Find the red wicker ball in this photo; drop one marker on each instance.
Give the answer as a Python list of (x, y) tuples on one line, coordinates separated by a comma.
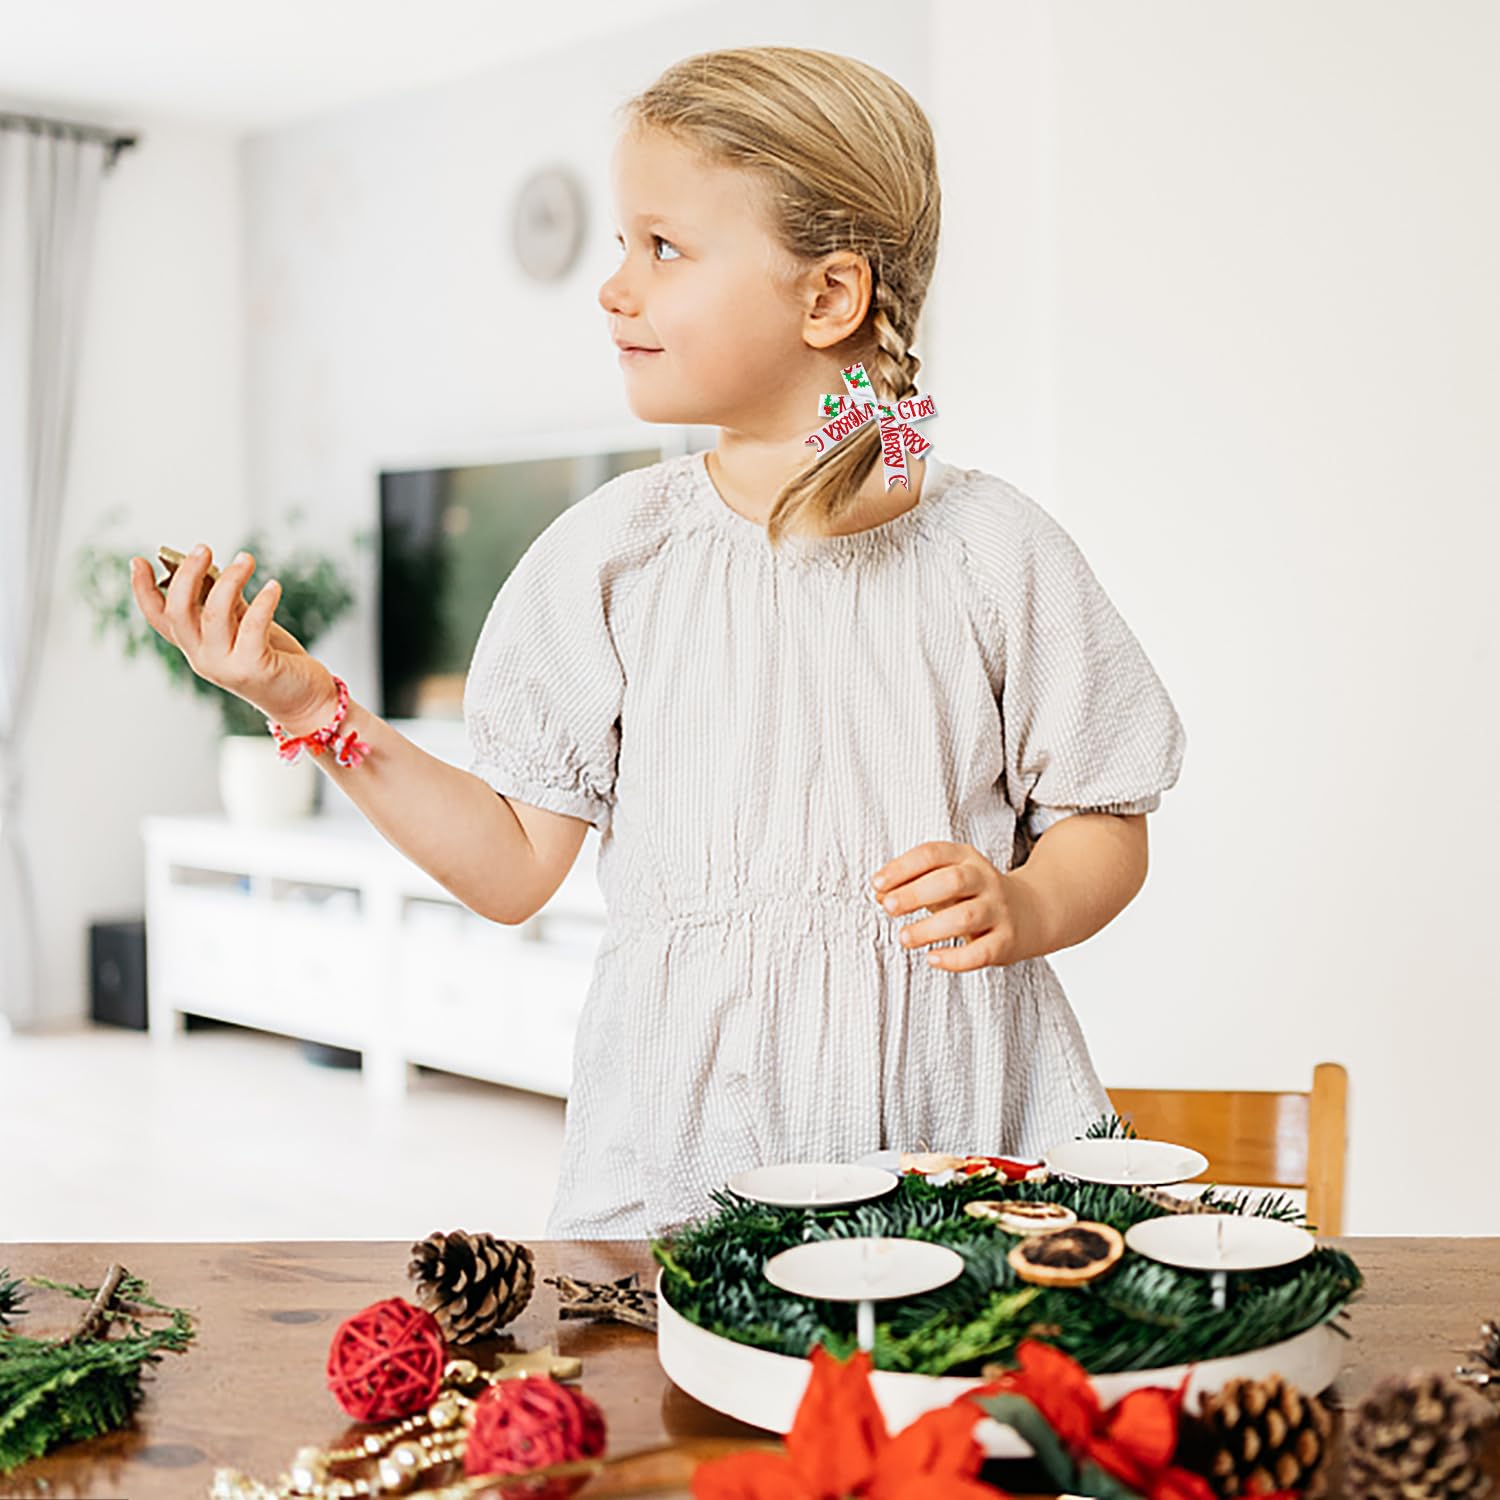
[(530, 1422), (387, 1361)]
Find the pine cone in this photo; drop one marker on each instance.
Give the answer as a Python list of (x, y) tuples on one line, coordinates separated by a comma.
[(1267, 1435), (1489, 1347), (1484, 1376), (1416, 1436), (471, 1283)]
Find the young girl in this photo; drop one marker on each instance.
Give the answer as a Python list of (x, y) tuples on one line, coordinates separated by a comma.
[(859, 758)]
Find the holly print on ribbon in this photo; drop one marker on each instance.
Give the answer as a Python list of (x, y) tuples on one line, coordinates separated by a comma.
[(848, 413)]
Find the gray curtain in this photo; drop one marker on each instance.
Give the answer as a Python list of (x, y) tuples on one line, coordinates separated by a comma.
[(49, 199)]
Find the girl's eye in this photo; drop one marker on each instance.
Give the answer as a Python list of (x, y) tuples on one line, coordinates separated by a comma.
[(658, 240)]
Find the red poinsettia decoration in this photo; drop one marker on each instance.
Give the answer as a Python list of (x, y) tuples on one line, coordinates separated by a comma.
[(1127, 1449), (839, 1447)]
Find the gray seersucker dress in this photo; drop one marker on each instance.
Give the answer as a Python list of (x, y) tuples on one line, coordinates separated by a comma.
[(754, 734)]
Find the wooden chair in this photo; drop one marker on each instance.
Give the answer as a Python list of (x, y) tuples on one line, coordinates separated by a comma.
[(1257, 1139)]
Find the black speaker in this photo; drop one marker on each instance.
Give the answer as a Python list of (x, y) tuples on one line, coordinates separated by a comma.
[(117, 973)]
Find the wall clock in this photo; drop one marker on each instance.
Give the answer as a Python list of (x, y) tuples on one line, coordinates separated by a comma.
[(547, 223)]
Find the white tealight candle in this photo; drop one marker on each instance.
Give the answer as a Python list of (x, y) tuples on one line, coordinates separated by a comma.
[(1214, 1241), (1126, 1161), (863, 1270), (1220, 1243), (810, 1184)]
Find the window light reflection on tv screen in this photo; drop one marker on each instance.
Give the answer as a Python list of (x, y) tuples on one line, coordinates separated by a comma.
[(449, 538)]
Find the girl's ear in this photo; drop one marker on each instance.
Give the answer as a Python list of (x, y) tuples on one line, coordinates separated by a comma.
[(837, 291)]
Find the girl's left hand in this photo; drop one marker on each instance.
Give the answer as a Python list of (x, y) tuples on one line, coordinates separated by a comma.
[(999, 915)]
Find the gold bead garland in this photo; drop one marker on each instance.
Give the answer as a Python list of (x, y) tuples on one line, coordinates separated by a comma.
[(404, 1453)]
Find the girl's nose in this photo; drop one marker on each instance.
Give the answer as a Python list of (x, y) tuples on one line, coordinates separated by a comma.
[(613, 295)]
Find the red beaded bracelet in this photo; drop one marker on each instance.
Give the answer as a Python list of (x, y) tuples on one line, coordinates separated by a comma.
[(348, 749)]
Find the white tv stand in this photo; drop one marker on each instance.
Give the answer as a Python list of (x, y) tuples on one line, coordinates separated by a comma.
[(322, 930)]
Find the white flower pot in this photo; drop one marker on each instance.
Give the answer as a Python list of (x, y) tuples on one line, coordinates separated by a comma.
[(257, 786)]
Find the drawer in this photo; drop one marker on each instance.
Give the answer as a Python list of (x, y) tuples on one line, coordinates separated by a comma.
[(321, 971), (508, 1006), (206, 951)]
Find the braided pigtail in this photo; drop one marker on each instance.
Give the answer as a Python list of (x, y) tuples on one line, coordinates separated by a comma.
[(829, 486)]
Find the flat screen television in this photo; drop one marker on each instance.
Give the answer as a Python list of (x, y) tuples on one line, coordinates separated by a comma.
[(450, 535)]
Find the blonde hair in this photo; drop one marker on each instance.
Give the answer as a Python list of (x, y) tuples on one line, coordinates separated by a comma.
[(847, 161)]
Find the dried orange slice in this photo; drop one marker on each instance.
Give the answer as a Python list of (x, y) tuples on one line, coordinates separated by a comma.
[(1067, 1257), (1017, 1216)]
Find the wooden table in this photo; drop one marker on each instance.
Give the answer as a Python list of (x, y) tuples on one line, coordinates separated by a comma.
[(250, 1389)]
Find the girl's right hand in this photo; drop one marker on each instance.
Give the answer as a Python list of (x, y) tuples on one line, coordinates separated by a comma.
[(234, 645)]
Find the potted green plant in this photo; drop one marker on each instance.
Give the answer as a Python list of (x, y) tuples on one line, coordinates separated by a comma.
[(256, 786)]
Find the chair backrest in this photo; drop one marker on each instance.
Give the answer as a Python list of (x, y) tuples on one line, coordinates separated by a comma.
[(1257, 1139)]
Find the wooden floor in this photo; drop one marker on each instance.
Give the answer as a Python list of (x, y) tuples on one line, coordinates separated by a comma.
[(235, 1135)]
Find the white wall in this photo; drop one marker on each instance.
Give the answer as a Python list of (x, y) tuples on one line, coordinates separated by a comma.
[(159, 431), (1269, 389), (1216, 286)]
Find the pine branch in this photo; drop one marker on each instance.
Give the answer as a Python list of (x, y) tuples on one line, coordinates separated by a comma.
[(937, 1346), (55, 1391), (1264, 1206), (12, 1298)]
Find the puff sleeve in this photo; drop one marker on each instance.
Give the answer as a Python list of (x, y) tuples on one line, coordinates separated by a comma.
[(1088, 725), (543, 696)]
